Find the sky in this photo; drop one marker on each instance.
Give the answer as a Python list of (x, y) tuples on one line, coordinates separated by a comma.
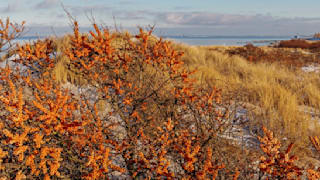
[(171, 17)]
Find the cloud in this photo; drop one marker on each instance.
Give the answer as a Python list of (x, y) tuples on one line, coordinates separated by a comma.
[(182, 7), (95, 9), (9, 9), (219, 19), (47, 4), (191, 22), (13, 6), (209, 19), (134, 15), (126, 2), (225, 24), (221, 23)]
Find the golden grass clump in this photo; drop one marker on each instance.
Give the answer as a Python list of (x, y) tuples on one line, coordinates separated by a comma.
[(284, 98)]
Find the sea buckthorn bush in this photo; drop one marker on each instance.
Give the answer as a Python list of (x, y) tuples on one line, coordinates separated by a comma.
[(47, 131), (136, 113)]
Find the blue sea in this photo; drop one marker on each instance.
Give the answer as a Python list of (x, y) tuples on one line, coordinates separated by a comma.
[(211, 40), (228, 40)]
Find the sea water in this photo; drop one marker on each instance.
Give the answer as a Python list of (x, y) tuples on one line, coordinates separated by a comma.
[(208, 40), (229, 40)]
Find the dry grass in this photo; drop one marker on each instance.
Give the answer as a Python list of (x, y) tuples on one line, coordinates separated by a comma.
[(280, 91)]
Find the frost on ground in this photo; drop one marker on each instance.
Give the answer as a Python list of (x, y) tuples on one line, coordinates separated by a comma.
[(311, 68), (239, 132)]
